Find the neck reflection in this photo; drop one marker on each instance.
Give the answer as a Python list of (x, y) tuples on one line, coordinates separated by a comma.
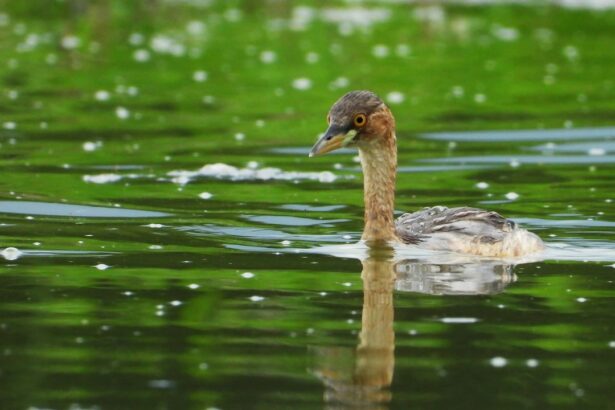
[(361, 377)]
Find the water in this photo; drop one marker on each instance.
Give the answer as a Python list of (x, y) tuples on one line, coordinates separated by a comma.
[(167, 243)]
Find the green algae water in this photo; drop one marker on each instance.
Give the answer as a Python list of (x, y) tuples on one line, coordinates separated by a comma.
[(166, 243)]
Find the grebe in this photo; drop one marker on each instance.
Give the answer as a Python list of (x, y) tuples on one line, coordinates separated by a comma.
[(361, 119)]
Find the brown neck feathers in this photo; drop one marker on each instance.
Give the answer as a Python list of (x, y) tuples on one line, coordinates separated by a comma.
[(379, 161)]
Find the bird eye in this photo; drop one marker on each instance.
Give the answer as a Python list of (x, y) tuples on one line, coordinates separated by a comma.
[(360, 120)]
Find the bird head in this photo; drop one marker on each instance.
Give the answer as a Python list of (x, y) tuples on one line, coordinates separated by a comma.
[(359, 117)]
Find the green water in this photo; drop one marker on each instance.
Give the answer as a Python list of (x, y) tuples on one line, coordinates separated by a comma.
[(147, 277)]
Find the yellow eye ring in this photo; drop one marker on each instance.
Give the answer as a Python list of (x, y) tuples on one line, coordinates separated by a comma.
[(360, 120)]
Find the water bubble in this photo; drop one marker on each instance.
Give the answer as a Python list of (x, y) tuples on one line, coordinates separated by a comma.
[(312, 57), (268, 56), (302, 83), (395, 97), (596, 151), (122, 113), (339, 82), (70, 42), (141, 55), (480, 98), (90, 146), (380, 51), (199, 76), (102, 95), (532, 363), (195, 27), (498, 362), (136, 39), (11, 253), (571, 52)]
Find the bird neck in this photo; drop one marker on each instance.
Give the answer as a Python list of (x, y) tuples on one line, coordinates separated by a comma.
[(379, 163)]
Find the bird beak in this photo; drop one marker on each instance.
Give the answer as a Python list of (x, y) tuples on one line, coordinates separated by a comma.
[(334, 138)]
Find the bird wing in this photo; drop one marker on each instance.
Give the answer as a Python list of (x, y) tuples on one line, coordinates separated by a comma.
[(465, 223)]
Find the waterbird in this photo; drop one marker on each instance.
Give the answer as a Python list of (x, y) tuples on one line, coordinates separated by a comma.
[(361, 119)]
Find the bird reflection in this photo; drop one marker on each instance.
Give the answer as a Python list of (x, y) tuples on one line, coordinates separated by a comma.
[(360, 377)]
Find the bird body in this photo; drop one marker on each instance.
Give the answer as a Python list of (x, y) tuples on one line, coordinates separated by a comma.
[(361, 119)]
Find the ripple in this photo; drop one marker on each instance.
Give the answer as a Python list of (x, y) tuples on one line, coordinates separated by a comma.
[(83, 211), (523, 135)]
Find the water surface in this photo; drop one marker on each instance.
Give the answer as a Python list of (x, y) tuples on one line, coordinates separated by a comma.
[(177, 249)]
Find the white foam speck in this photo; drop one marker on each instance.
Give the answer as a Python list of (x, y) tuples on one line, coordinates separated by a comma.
[(480, 98), (302, 84), (350, 18), (102, 178), (459, 320), (612, 344), (9, 125), (581, 300), (512, 196), (240, 136), (339, 82), (247, 275), (268, 56), (11, 253), (482, 185), (505, 33), (102, 266), (380, 51), (395, 97), (199, 76), (70, 42), (312, 57), (122, 113), (596, 151), (256, 298), (498, 362), (205, 195), (286, 242), (175, 303), (102, 95), (193, 286), (141, 55), (155, 225), (136, 39), (89, 146), (532, 363), (225, 171)]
